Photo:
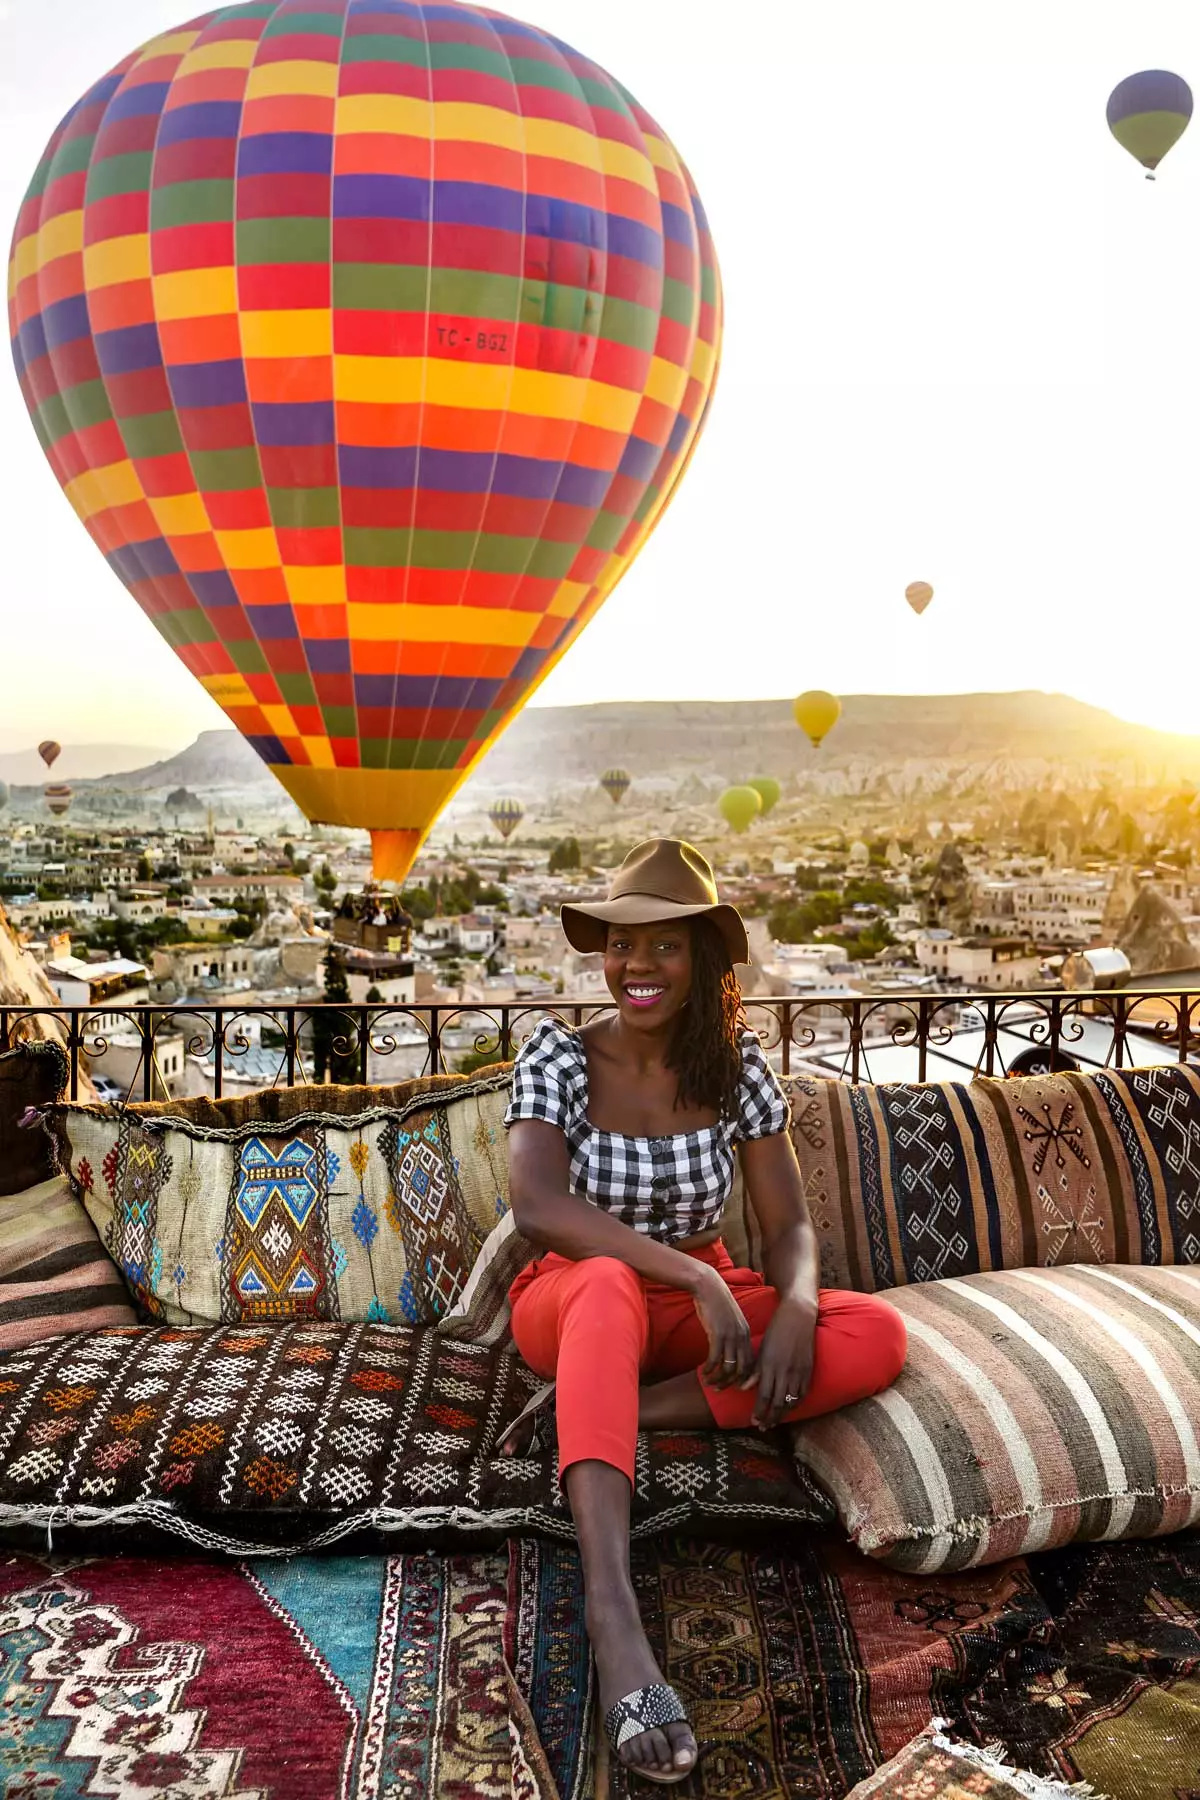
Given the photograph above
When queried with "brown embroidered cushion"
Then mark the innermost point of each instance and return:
(910, 1184)
(31, 1075)
(54, 1274)
(292, 1436)
(1037, 1407)
(308, 1212)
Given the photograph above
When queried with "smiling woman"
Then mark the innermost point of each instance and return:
(621, 1160)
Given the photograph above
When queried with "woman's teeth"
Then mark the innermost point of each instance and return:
(644, 996)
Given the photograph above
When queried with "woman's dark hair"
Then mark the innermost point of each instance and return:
(706, 1050)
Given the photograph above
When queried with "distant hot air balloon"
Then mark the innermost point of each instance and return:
(3, 795)
(740, 806)
(816, 714)
(506, 815)
(768, 791)
(918, 594)
(49, 752)
(1148, 114)
(370, 341)
(58, 798)
(615, 783)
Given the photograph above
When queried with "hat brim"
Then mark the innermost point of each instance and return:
(586, 927)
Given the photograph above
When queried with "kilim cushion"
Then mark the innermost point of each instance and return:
(1037, 1407)
(30, 1075)
(54, 1275)
(310, 1212)
(935, 1767)
(298, 1434)
(909, 1184)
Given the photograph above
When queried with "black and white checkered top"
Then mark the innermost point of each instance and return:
(667, 1187)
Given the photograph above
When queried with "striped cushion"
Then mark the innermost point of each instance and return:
(909, 1184)
(1037, 1407)
(54, 1275)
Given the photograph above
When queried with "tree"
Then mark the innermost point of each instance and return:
(145, 871)
(374, 997)
(417, 903)
(334, 1033)
(565, 855)
(325, 882)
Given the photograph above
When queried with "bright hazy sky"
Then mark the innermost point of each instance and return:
(961, 346)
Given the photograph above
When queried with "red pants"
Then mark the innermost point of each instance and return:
(599, 1329)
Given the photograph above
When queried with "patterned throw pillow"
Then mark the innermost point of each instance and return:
(54, 1275)
(317, 1214)
(244, 1438)
(910, 1184)
(31, 1075)
(1037, 1407)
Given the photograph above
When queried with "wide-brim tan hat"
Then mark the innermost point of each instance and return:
(663, 878)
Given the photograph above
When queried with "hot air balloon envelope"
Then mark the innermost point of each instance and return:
(615, 783)
(816, 714)
(768, 791)
(506, 815)
(1149, 113)
(369, 341)
(49, 752)
(58, 799)
(740, 806)
(918, 594)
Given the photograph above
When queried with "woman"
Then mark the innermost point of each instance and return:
(621, 1157)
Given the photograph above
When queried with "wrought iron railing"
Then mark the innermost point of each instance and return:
(148, 1052)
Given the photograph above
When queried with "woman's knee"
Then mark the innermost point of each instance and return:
(605, 1280)
(872, 1333)
(885, 1330)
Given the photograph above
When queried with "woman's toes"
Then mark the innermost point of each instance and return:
(683, 1747)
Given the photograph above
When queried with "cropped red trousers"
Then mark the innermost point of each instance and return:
(600, 1330)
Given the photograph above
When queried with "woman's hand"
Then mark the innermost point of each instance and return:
(784, 1361)
(730, 1351)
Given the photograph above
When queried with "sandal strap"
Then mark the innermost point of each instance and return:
(537, 1408)
(645, 1709)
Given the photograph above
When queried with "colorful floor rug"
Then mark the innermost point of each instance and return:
(805, 1671)
(377, 1678)
(467, 1677)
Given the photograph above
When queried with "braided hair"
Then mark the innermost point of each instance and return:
(706, 1047)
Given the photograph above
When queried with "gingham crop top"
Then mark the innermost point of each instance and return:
(667, 1187)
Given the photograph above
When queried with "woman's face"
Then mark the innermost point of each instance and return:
(648, 969)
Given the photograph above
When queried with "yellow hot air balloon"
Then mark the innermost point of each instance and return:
(740, 806)
(370, 342)
(918, 594)
(816, 714)
(768, 791)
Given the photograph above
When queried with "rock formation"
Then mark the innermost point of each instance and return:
(1154, 938)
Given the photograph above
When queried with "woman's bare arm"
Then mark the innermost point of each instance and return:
(776, 1191)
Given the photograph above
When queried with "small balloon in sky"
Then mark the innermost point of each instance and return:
(918, 594)
(816, 713)
(739, 807)
(506, 815)
(1148, 113)
(768, 791)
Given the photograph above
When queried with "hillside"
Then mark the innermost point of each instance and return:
(78, 762)
(989, 735)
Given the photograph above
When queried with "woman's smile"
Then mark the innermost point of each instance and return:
(643, 993)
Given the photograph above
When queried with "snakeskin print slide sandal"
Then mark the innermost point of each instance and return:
(540, 1409)
(646, 1709)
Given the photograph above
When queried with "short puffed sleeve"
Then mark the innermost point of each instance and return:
(545, 1077)
(763, 1110)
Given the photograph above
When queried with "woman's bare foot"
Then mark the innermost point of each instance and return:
(624, 1663)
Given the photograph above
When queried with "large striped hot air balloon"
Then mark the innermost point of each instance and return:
(506, 815)
(615, 783)
(369, 340)
(58, 798)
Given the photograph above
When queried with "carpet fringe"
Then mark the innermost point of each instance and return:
(993, 1759)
